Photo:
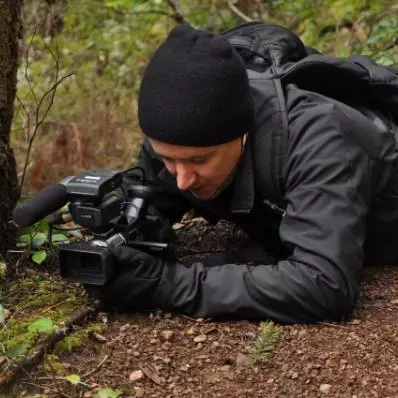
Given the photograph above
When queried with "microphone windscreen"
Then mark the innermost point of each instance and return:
(41, 205)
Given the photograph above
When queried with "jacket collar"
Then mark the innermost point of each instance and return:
(243, 184)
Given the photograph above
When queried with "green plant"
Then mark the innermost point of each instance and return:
(266, 342)
(108, 393)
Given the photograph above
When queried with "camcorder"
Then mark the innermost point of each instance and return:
(116, 206)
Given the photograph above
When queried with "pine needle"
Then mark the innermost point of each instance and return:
(266, 342)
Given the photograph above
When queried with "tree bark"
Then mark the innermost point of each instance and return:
(10, 32)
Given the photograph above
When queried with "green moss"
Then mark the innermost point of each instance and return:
(76, 339)
(43, 300)
(52, 363)
(33, 298)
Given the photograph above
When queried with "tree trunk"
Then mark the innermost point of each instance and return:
(10, 31)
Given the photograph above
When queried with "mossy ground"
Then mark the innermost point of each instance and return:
(33, 297)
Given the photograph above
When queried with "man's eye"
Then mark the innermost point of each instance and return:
(198, 161)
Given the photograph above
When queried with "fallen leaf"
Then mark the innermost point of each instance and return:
(178, 226)
(136, 375)
(74, 379)
(152, 375)
(200, 338)
(99, 337)
(167, 334)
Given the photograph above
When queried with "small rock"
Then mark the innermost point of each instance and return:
(136, 375)
(7, 313)
(167, 334)
(225, 368)
(394, 302)
(190, 331)
(200, 338)
(355, 322)
(325, 388)
(124, 327)
(87, 394)
(99, 337)
(294, 375)
(242, 359)
(153, 341)
(136, 354)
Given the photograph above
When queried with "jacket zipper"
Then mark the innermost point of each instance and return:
(280, 210)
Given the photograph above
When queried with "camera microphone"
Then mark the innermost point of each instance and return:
(40, 205)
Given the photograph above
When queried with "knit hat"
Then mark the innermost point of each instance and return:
(195, 91)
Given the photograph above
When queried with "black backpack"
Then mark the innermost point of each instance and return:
(279, 54)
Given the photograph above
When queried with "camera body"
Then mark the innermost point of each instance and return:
(117, 207)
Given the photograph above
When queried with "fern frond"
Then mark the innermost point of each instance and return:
(266, 342)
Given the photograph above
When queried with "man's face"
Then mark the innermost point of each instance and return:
(200, 170)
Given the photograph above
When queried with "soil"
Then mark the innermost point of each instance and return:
(166, 355)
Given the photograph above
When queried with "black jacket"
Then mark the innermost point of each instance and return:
(317, 186)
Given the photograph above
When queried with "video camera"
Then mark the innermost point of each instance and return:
(117, 206)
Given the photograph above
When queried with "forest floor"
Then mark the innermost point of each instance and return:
(166, 355)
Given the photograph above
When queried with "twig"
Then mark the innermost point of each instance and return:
(178, 15)
(39, 121)
(35, 385)
(238, 12)
(44, 310)
(47, 343)
(51, 378)
(39, 115)
(96, 368)
(332, 325)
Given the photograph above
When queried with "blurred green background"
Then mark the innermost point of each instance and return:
(104, 46)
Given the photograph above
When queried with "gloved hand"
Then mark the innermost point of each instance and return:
(135, 281)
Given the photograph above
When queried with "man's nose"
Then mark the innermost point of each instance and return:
(185, 177)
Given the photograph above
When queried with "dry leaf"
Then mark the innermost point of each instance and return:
(136, 375)
(152, 374)
(167, 334)
(200, 338)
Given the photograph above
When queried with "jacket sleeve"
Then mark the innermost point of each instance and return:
(327, 193)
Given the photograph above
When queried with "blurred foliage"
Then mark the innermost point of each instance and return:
(107, 43)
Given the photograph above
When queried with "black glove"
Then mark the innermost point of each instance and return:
(135, 281)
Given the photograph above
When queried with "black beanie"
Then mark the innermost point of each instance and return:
(195, 91)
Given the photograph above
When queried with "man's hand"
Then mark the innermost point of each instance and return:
(136, 277)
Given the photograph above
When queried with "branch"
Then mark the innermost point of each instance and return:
(239, 13)
(178, 15)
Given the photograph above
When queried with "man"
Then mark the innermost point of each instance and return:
(311, 178)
